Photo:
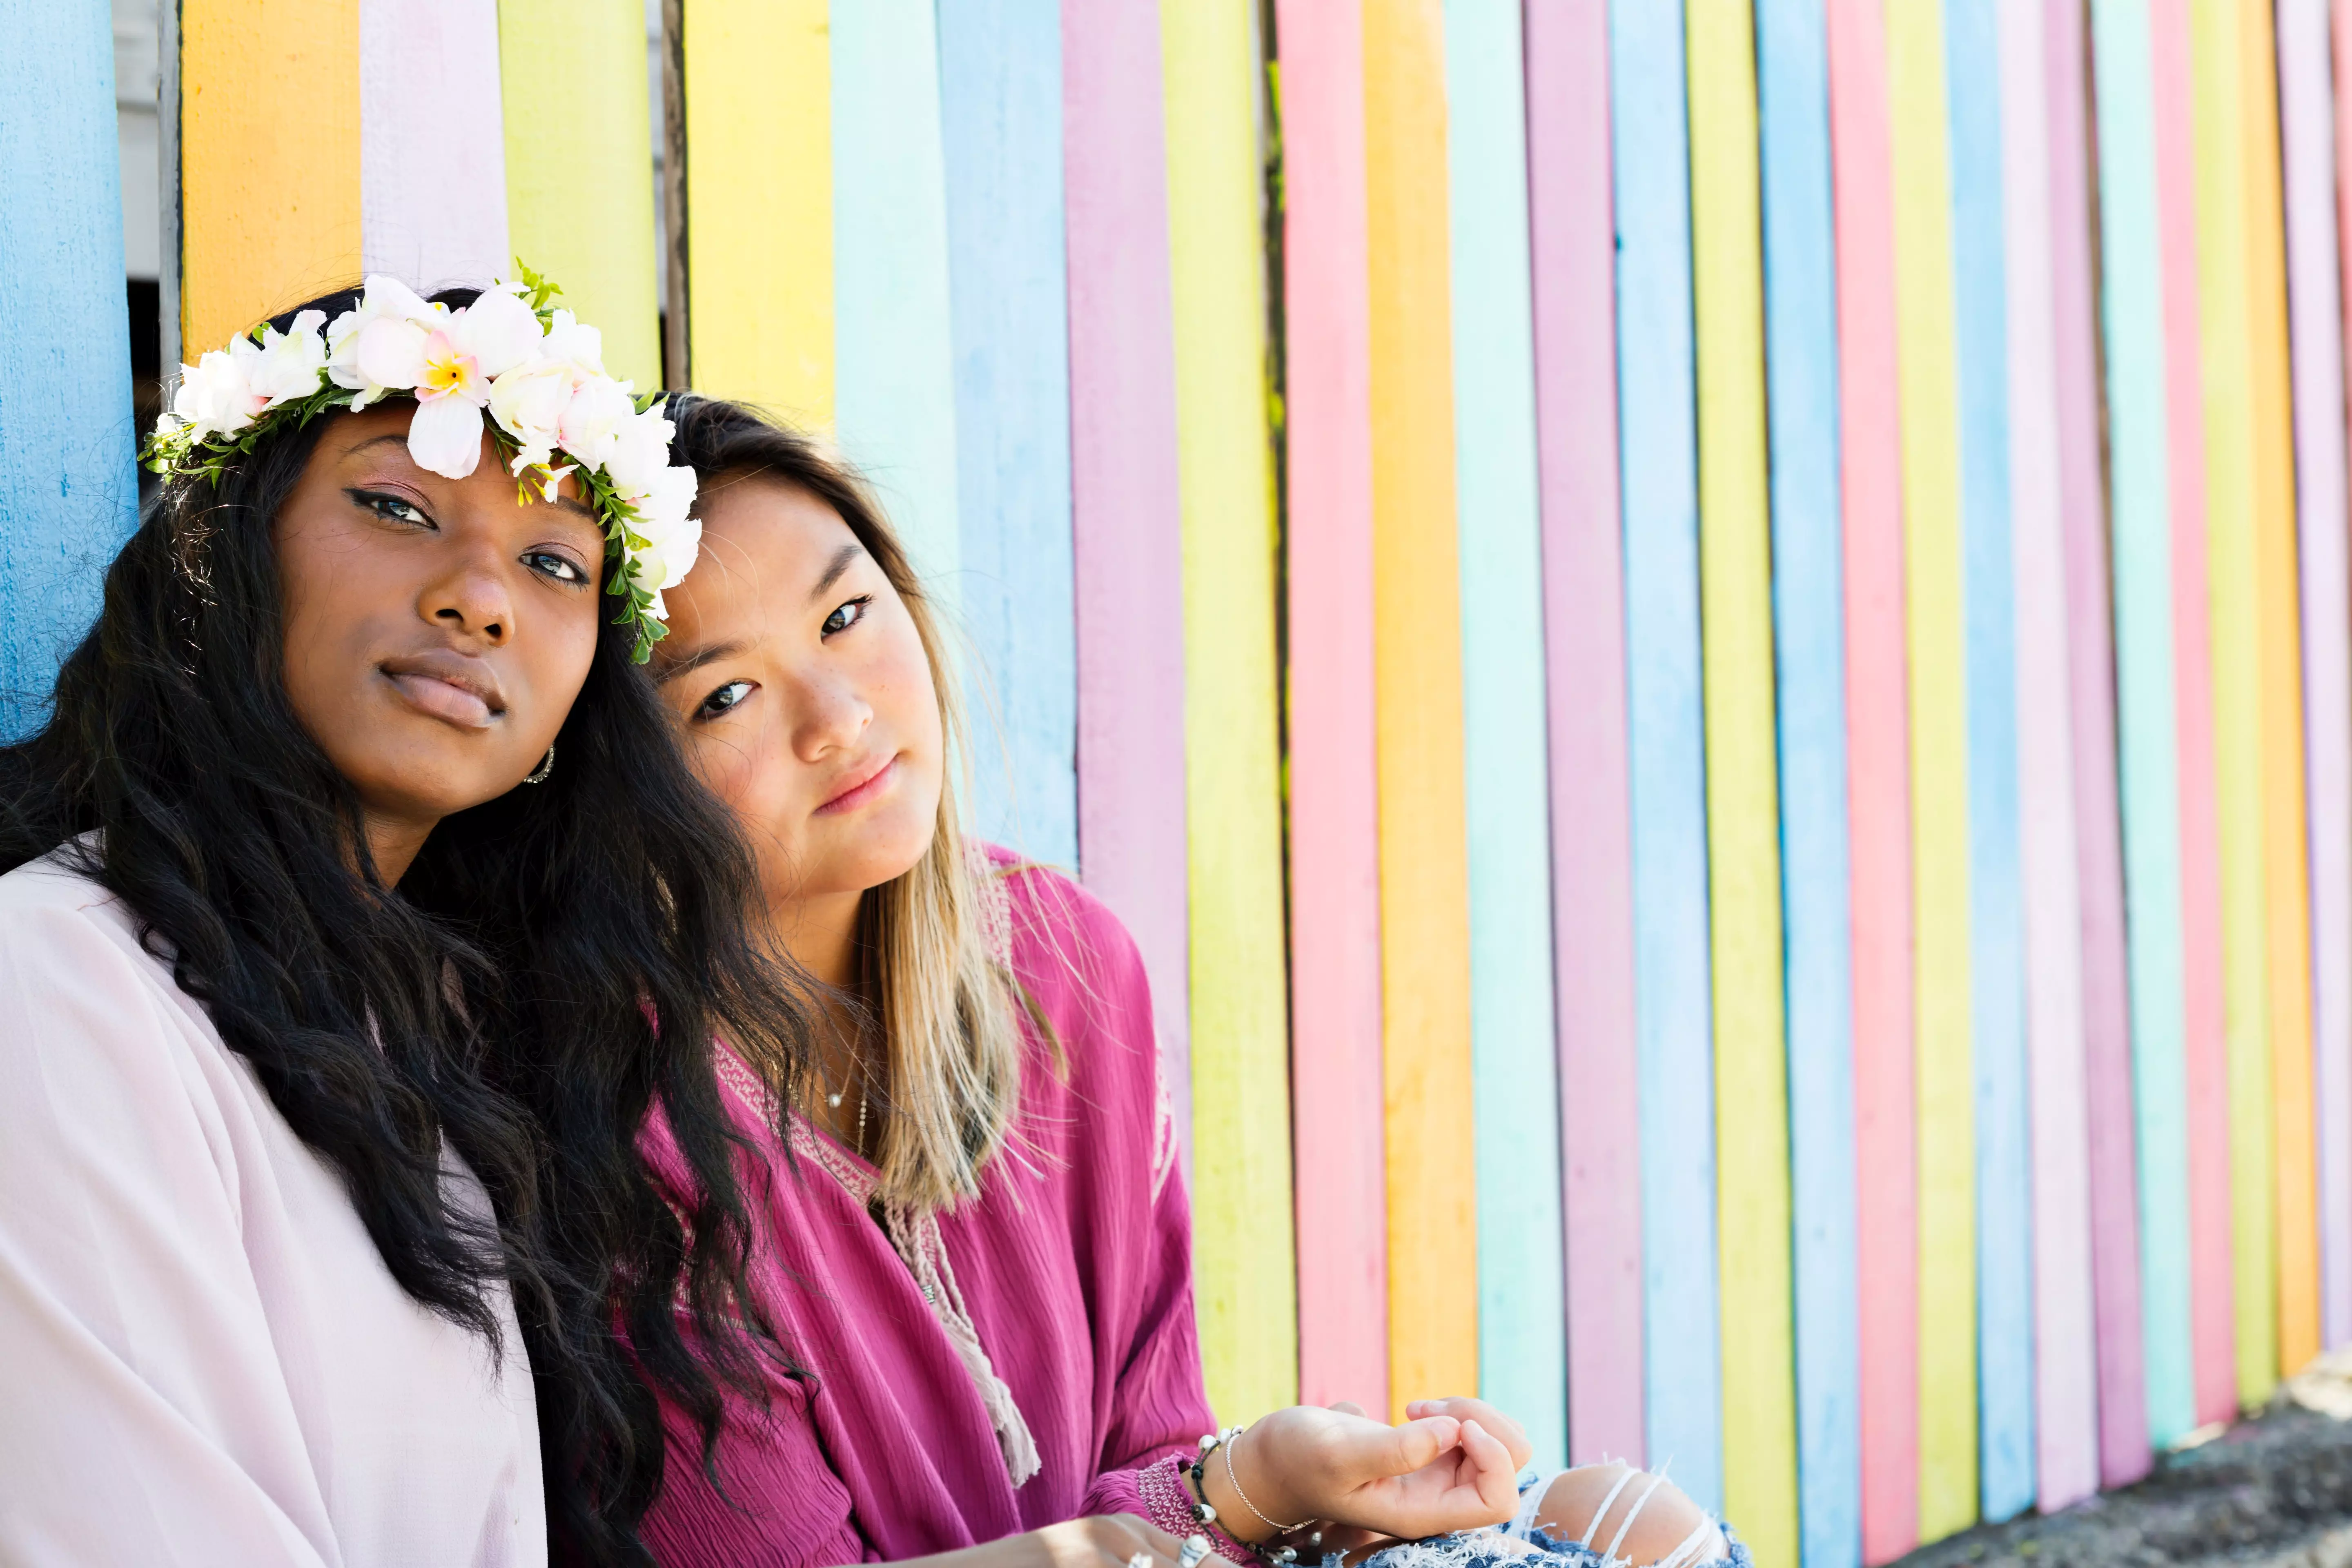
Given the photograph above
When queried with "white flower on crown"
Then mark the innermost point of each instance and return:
(286, 367)
(215, 395)
(378, 345)
(539, 376)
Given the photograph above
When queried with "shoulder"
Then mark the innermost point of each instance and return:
(1080, 969)
(105, 1054)
(52, 904)
(1052, 922)
(75, 976)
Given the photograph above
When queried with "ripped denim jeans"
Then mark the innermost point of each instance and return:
(1523, 1543)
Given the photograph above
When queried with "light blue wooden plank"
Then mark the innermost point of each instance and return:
(1674, 997)
(68, 493)
(2131, 302)
(1809, 640)
(1522, 1310)
(1996, 908)
(894, 391)
(1001, 113)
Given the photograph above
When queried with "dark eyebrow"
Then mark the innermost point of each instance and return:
(709, 653)
(569, 503)
(841, 560)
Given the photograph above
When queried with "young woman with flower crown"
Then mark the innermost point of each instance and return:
(343, 887)
(972, 1235)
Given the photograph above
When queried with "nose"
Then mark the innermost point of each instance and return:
(831, 716)
(468, 595)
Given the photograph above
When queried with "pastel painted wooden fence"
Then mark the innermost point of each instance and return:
(1706, 645)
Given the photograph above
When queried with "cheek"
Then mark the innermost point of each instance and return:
(324, 636)
(557, 665)
(750, 772)
(727, 768)
(908, 704)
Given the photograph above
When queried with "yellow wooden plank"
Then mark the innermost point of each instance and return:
(269, 160)
(580, 194)
(1925, 327)
(1417, 678)
(2286, 873)
(2218, 97)
(1752, 1230)
(1245, 1291)
(758, 203)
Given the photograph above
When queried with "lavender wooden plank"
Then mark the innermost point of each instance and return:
(2123, 1452)
(2064, 1361)
(2317, 326)
(1573, 228)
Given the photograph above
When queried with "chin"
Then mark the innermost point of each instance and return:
(420, 788)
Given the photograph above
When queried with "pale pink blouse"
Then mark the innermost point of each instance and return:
(203, 1359)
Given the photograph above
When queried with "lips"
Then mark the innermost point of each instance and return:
(456, 688)
(866, 787)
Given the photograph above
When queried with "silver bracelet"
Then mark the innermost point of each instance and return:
(1237, 1483)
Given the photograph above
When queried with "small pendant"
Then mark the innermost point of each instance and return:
(833, 1101)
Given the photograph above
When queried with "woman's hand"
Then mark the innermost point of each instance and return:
(1512, 1435)
(1103, 1540)
(1438, 1472)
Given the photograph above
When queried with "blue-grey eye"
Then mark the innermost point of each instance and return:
(846, 615)
(391, 508)
(724, 699)
(563, 568)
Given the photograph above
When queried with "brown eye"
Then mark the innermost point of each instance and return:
(721, 700)
(846, 615)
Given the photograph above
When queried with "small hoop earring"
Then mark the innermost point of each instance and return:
(546, 766)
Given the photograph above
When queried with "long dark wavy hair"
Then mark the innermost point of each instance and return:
(552, 967)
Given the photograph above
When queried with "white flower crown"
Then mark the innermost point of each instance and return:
(537, 372)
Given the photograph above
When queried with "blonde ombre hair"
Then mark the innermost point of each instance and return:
(935, 941)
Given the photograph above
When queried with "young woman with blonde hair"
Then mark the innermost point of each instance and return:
(972, 1237)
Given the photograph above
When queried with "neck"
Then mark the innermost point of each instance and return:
(820, 934)
(394, 844)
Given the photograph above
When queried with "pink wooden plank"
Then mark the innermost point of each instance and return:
(1572, 234)
(2123, 1452)
(1129, 568)
(2211, 1302)
(1335, 928)
(1878, 781)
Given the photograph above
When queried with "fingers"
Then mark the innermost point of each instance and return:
(1347, 1407)
(1109, 1541)
(1496, 1472)
(1506, 1430)
(1146, 1535)
(1408, 1448)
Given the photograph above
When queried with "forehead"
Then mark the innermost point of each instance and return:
(374, 444)
(765, 544)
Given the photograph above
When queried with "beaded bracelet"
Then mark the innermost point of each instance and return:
(1205, 1513)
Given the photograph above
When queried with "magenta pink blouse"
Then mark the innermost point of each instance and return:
(1072, 1270)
